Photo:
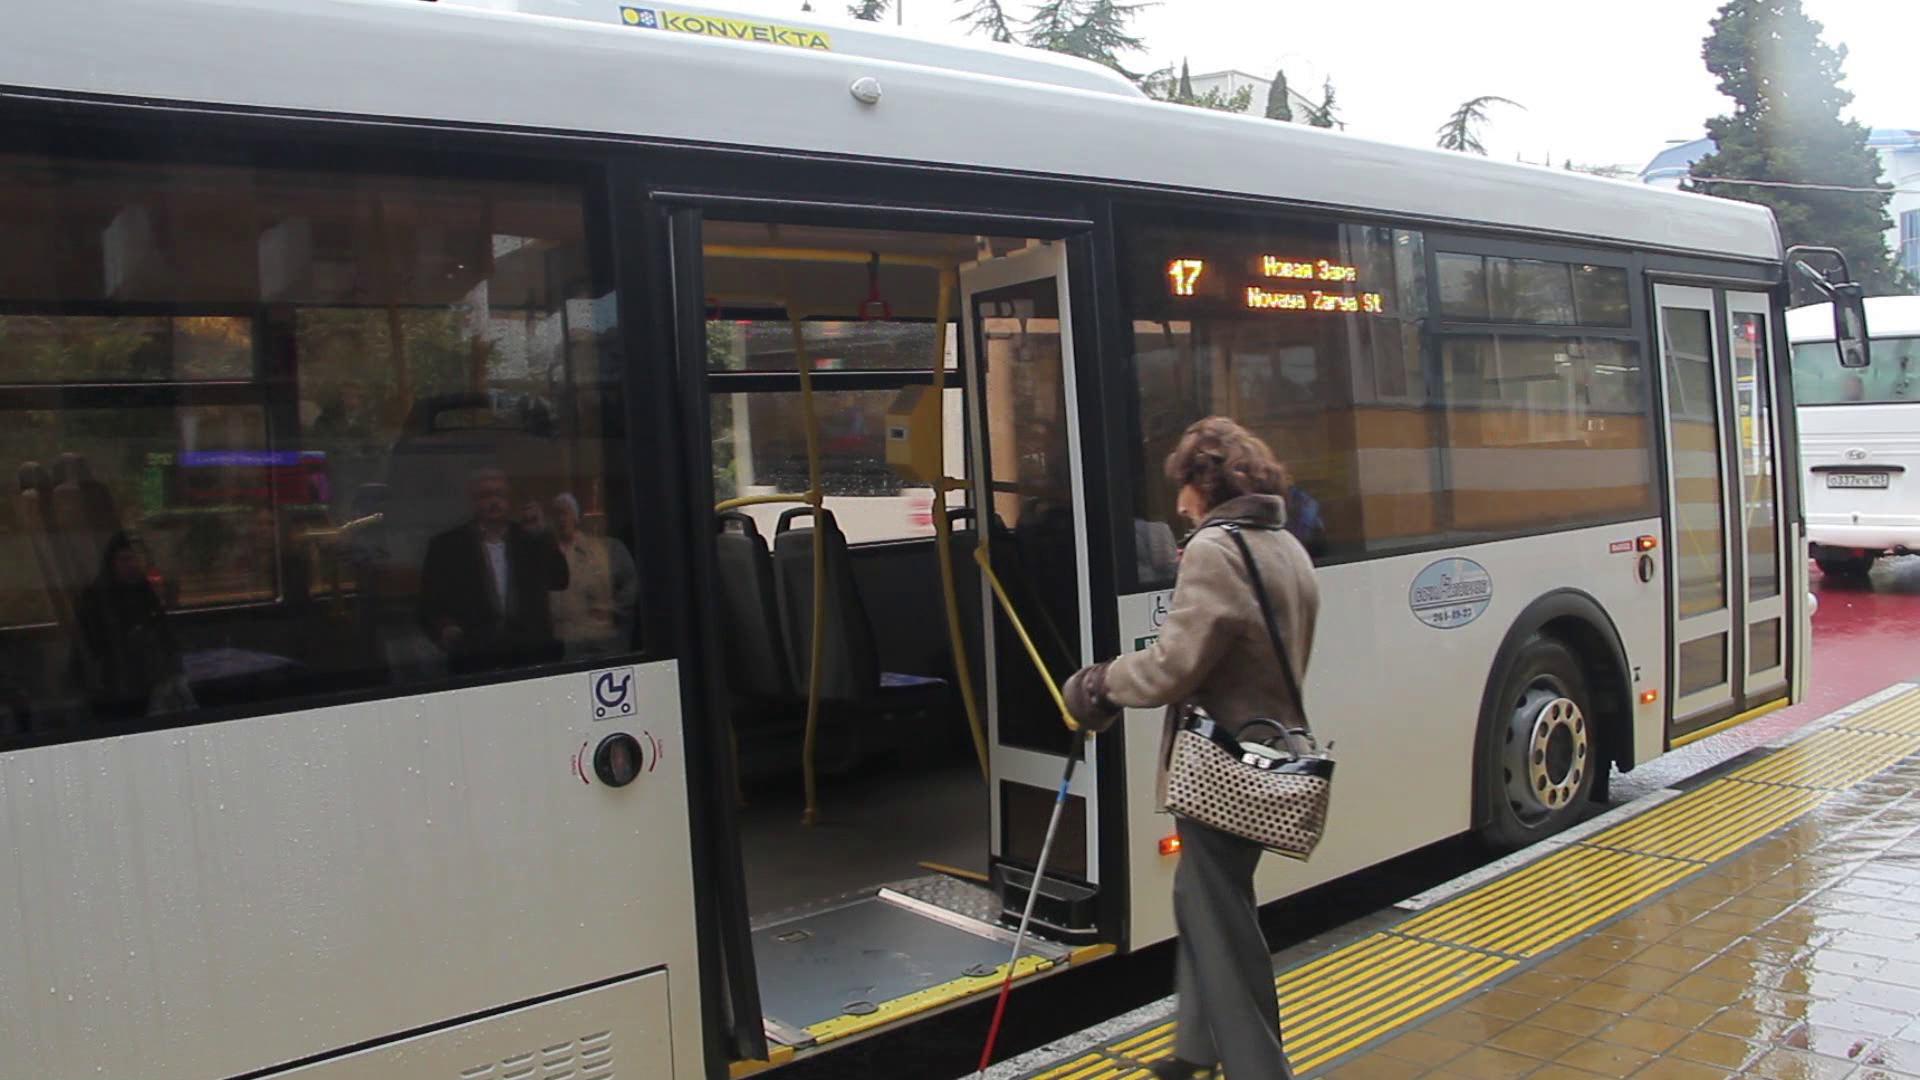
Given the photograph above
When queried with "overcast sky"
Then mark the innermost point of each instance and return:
(1603, 81)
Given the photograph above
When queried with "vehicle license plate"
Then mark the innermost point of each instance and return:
(1857, 480)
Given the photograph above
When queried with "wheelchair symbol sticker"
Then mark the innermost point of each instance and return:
(612, 693)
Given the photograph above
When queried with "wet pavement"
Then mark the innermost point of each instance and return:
(1754, 911)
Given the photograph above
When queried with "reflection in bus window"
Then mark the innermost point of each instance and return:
(241, 402)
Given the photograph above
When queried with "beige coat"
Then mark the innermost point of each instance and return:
(1213, 649)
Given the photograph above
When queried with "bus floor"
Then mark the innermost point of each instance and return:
(882, 824)
(1760, 919)
(872, 915)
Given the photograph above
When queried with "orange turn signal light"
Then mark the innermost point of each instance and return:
(1648, 543)
(1648, 697)
(1170, 845)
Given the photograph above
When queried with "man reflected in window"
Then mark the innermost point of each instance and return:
(593, 615)
(484, 586)
(127, 659)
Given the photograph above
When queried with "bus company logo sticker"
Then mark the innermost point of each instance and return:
(1450, 593)
(612, 693)
(765, 33)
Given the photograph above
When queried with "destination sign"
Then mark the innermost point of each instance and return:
(1279, 282)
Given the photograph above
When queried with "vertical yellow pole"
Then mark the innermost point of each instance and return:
(943, 529)
(816, 498)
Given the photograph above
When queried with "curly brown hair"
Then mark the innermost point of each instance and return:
(1223, 460)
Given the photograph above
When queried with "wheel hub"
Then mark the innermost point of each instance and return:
(1548, 754)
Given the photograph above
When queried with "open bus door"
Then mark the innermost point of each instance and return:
(1029, 484)
(824, 932)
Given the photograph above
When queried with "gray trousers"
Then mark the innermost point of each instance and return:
(1229, 1012)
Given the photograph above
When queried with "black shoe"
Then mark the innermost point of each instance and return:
(1175, 1069)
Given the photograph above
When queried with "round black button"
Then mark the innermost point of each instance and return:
(1646, 568)
(616, 761)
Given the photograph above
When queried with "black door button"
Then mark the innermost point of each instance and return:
(616, 761)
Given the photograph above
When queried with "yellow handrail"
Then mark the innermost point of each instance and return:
(817, 499)
(760, 500)
(1020, 629)
(943, 530)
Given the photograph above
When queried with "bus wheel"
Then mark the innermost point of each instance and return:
(1844, 566)
(1547, 753)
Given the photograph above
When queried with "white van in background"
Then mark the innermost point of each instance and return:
(1859, 435)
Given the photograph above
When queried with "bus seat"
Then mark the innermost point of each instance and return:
(755, 650)
(850, 663)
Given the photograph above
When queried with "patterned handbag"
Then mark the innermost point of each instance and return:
(1273, 795)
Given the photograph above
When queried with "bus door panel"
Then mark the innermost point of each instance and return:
(1727, 557)
(1027, 452)
(1763, 630)
(1701, 671)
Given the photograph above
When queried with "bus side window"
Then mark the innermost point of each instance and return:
(245, 403)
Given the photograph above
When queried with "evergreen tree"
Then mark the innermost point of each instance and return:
(1322, 115)
(1184, 95)
(868, 10)
(1051, 25)
(1278, 107)
(989, 18)
(1459, 132)
(1786, 128)
(1100, 33)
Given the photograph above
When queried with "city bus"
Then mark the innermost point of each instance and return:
(1859, 435)
(464, 613)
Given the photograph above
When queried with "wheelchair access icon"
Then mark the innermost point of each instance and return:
(612, 693)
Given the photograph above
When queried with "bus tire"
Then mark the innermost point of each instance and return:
(1544, 747)
(1844, 566)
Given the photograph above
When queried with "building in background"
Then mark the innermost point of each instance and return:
(1899, 150)
(1230, 83)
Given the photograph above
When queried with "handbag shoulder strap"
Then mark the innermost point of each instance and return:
(1266, 613)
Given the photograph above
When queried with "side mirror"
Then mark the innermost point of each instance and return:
(1849, 300)
(1850, 325)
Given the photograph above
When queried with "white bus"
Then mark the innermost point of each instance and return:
(1859, 435)
(394, 685)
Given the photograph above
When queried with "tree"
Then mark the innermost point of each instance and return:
(1185, 93)
(1050, 25)
(1101, 34)
(1459, 133)
(1786, 128)
(1096, 30)
(868, 10)
(1278, 107)
(989, 18)
(1322, 115)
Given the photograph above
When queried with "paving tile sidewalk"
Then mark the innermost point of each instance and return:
(1798, 957)
(1765, 924)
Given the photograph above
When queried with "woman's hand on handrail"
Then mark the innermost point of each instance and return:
(1087, 701)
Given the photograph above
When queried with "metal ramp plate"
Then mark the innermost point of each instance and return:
(833, 973)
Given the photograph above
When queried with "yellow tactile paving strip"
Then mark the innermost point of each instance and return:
(1358, 994)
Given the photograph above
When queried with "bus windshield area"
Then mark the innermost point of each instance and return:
(1818, 378)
